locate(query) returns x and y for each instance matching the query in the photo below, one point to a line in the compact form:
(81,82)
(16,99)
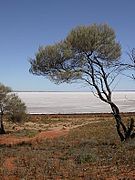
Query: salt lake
(74,102)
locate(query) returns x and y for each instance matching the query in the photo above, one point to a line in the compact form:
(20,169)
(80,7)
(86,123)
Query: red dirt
(12,140)
(10,178)
(10,166)
(9,163)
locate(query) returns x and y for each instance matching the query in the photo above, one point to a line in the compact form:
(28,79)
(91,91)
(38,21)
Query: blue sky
(27,24)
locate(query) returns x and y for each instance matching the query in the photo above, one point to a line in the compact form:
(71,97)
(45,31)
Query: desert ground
(79,146)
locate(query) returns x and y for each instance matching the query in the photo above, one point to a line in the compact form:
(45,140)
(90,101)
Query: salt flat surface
(74,102)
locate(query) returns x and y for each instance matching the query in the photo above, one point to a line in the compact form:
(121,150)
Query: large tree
(11,105)
(88,55)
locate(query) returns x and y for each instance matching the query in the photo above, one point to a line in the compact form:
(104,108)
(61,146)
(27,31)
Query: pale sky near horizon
(27,24)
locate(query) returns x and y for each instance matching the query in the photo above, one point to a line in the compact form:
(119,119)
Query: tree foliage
(88,54)
(64,61)
(11,105)
(15,108)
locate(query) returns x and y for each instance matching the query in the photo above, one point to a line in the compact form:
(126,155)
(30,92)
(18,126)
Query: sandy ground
(9,139)
(45,131)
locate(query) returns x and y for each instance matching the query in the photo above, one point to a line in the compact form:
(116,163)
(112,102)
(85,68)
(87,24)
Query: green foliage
(11,105)
(26,133)
(95,38)
(84,154)
(4,90)
(68,60)
(15,108)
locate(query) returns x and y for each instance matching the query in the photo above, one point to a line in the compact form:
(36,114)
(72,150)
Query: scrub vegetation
(11,106)
(90,151)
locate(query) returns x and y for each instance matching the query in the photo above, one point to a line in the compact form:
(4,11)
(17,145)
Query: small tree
(3,95)
(15,108)
(88,54)
(11,105)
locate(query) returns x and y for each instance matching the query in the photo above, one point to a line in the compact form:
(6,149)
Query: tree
(88,55)
(11,105)
(15,108)
(131,64)
(128,67)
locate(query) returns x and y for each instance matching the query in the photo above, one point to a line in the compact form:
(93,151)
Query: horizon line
(132,90)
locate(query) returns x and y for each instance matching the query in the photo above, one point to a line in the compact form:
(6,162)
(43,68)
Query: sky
(27,24)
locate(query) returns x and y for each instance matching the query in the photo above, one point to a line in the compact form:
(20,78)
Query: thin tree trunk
(2,131)
(123,131)
(117,117)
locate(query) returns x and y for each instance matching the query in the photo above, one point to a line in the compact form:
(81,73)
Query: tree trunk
(124,132)
(2,131)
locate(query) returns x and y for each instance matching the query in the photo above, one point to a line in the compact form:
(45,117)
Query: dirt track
(46,131)
(12,140)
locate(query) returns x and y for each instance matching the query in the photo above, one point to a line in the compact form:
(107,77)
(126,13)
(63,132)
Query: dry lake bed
(74,102)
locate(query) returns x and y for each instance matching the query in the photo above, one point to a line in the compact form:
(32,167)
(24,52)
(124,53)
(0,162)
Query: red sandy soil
(8,139)
(10,178)
(12,140)
(10,166)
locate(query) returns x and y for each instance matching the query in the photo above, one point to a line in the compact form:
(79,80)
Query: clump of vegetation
(25,133)
(16,109)
(11,106)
